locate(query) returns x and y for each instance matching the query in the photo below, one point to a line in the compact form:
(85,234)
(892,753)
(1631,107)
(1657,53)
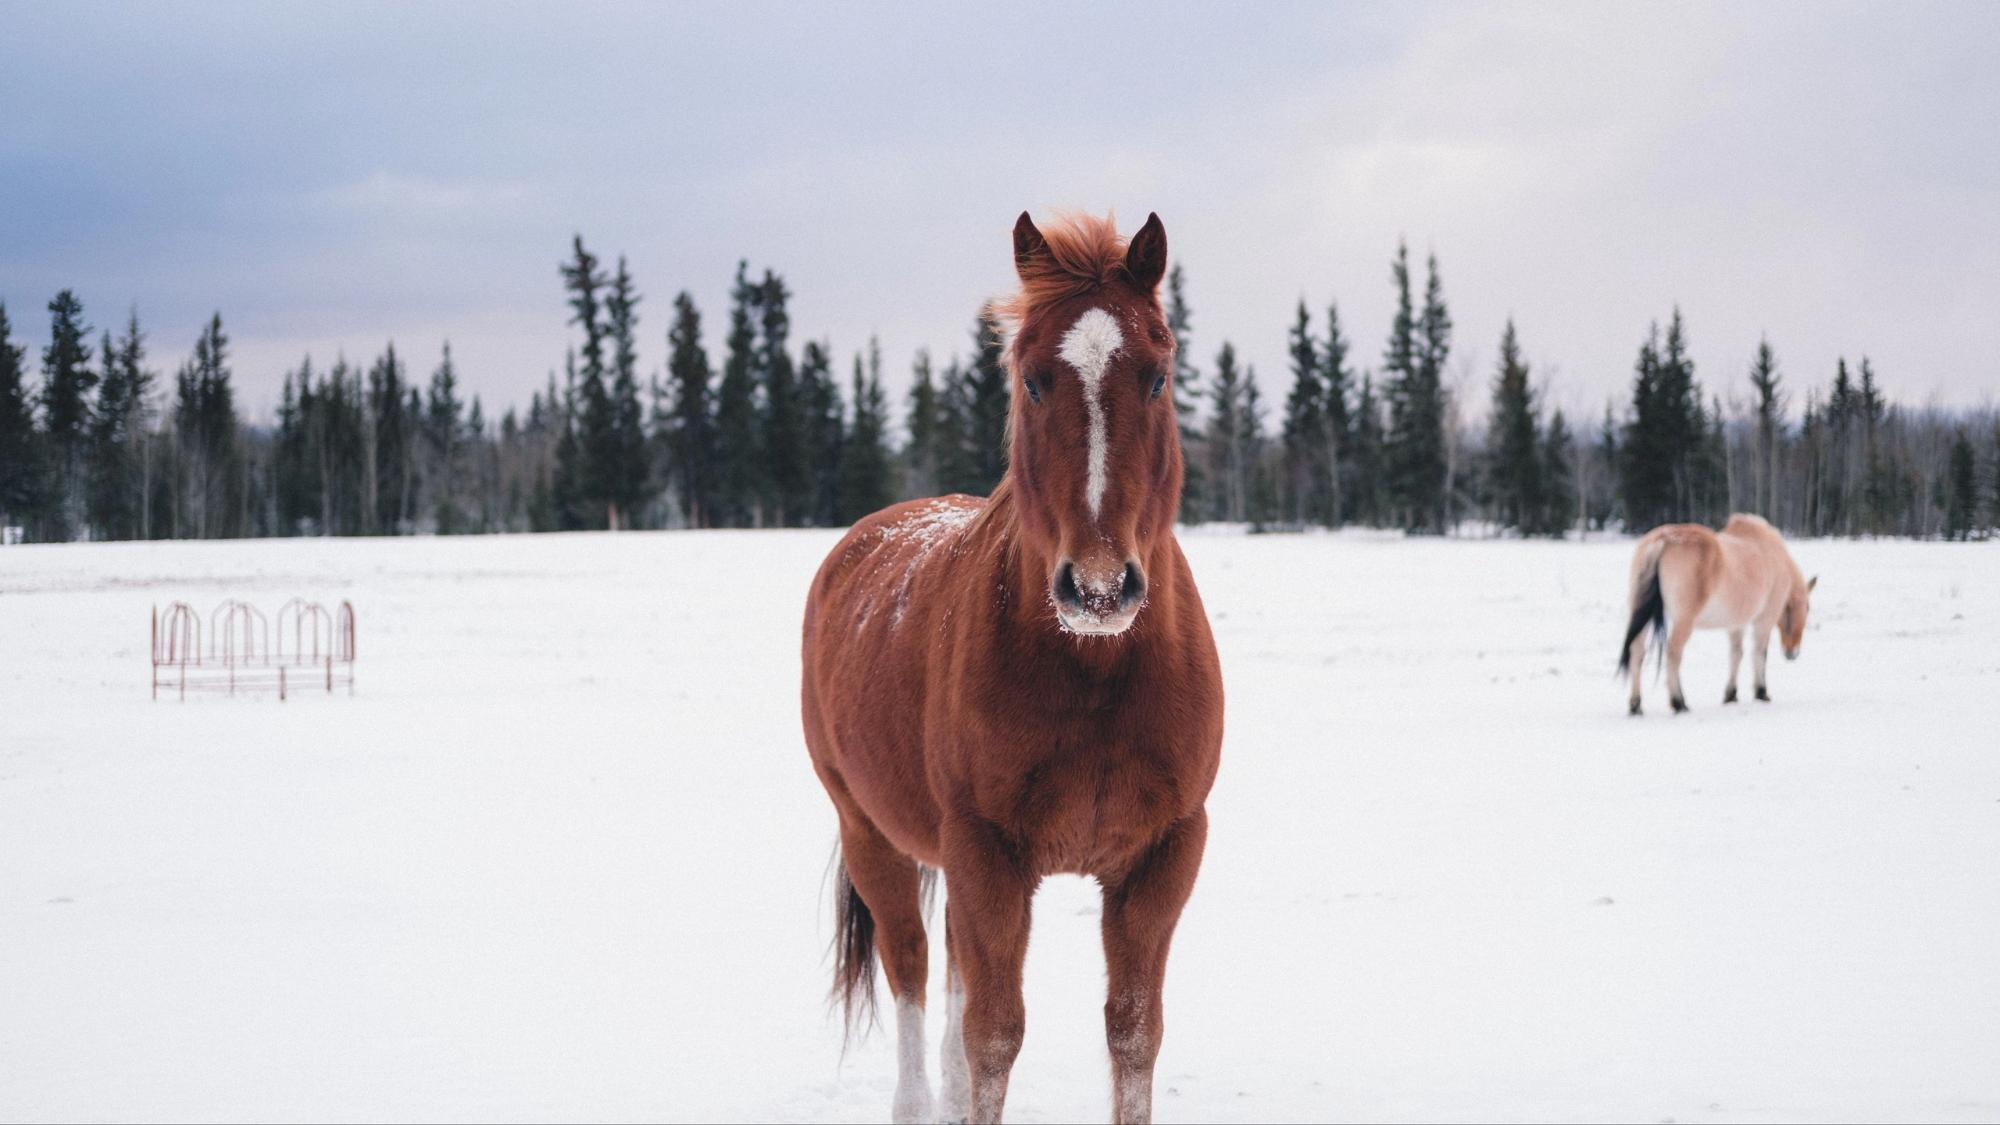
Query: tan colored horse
(1686,577)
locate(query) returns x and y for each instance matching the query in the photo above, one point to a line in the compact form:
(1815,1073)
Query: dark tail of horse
(853,953)
(854,956)
(1648,608)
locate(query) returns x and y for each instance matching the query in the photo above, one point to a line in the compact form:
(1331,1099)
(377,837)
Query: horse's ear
(1146,256)
(1029,244)
(1811,582)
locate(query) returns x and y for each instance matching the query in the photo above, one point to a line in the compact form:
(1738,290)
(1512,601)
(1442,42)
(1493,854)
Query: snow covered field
(562,855)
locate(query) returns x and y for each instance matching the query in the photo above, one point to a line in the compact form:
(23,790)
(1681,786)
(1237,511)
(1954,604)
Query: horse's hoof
(1763,696)
(1680,705)
(1729,696)
(1635,708)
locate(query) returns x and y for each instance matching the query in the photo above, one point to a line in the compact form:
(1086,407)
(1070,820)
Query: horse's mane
(1085,253)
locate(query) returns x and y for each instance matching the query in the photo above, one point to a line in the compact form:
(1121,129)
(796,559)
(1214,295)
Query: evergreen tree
(865,484)
(1558,479)
(206,432)
(389,420)
(923,455)
(21,478)
(1516,460)
(117,442)
(597,448)
(1187,394)
(824,435)
(1262,487)
(1367,461)
(1765,381)
(985,401)
(1961,506)
(788,496)
(691,426)
(444,434)
(1648,455)
(67,381)
(1414,363)
(738,463)
(1226,442)
(625,471)
(1606,504)
(1335,381)
(1304,429)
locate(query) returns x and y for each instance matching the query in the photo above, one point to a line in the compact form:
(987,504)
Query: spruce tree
(443,435)
(1335,385)
(1187,394)
(691,432)
(1414,366)
(1228,472)
(1262,488)
(824,435)
(626,470)
(388,419)
(864,464)
(922,454)
(117,481)
(738,463)
(1559,495)
(788,495)
(21,477)
(1516,460)
(1367,460)
(986,393)
(1961,506)
(67,380)
(1765,382)
(1304,429)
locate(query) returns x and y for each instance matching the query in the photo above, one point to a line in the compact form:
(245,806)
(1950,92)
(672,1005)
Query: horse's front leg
(1140,911)
(988,895)
(1763,650)
(1735,662)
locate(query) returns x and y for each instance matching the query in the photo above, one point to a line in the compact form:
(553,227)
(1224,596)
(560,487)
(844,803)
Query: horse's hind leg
(1677,640)
(955,1091)
(1735,662)
(1638,666)
(1140,912)
(890,883)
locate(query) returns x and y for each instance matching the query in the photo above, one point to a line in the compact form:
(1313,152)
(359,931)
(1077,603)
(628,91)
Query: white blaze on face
(1088,347)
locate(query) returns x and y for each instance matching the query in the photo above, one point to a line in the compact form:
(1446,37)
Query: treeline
(777,436)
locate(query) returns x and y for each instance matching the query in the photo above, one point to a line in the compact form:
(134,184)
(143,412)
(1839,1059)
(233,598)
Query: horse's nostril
(1066,591)
(1133,591)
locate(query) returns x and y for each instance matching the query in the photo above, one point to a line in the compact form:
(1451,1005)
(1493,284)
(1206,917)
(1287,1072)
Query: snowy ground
(562,855)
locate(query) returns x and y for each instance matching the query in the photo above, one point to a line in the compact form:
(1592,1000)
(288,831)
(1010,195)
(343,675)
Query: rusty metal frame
(239,655)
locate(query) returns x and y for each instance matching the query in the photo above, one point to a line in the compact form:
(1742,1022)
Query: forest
(784,434)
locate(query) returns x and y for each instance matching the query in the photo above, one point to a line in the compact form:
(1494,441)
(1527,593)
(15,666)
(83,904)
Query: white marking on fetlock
(955,1102)
(1088,347)
(913,1082)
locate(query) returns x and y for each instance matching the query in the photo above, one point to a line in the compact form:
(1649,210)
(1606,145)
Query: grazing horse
(1025,685)
(1686,577)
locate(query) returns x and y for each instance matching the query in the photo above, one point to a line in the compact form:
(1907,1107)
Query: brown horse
(1686,577)
(1009,688)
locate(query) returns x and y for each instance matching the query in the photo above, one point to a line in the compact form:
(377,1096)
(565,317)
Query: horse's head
(1095,453)
(1792,622)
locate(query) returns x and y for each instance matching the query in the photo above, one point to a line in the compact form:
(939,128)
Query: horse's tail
(853,952)
(1648,607)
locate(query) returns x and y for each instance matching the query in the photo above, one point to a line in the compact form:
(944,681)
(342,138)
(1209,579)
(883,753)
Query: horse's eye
(1159,384)
(1034,392)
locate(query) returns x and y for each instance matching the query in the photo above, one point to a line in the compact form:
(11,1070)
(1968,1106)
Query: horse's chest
(1091,809)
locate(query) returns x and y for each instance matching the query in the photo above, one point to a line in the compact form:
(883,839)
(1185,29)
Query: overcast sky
(333,177)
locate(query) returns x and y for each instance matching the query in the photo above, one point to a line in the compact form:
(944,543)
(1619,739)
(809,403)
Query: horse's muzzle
(1098,604)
